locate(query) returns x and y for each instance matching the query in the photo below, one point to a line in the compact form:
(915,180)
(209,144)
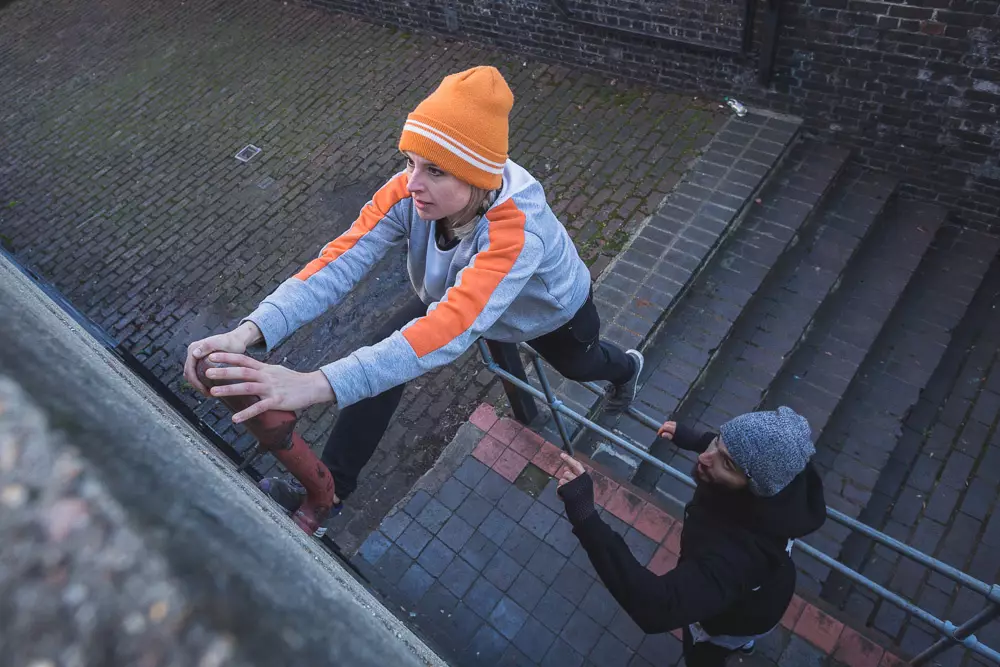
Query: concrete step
(652,274)
(704,318)
(778,319)
(870,457)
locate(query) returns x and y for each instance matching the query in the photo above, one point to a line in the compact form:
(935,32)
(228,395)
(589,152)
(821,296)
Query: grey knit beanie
(770,447)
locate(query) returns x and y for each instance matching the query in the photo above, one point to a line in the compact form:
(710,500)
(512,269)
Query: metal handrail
(951,633)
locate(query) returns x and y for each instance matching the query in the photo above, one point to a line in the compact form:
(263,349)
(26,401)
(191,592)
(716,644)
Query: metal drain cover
(248,153)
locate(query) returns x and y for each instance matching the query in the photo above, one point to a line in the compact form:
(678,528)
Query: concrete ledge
(232,564)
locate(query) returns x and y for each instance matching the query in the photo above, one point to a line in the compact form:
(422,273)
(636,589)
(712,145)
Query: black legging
(574,350)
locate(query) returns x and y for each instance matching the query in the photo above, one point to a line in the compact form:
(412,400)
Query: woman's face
(435,193)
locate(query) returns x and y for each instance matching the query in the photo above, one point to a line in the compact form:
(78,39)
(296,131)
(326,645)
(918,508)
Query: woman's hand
(279,388)
(236,341)
(667,430)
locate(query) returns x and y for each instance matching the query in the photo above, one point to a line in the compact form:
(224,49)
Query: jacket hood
(794,512)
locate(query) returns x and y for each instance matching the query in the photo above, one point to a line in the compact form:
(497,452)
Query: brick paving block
(414,584)
(673,541)
(436,557)
(497,527)
(470,472)
(610,652)
(604,488)
(538,520)
(488,450)
(553,611)
(433,515)
(582,561)
(639,661)
(487,647)
(550,497)
(792,614)
(505,430)
(393,564)
(625,629)
(662,561)
(510,464)
(527,443)
(514,657)
(452,493)
(642,547)
(508,617)
(458,577)
(855,650)
(625,505)
(482,597)
(484,417)
(546,563)
(599,604)
(561,654)
(455,533)
(653,522)
(474,509)
(515,503)
(437,604)
(417,502)
(891,660)
(520,544)
(526,590)
(492,486)
(413,539)
(581,632)
(373,547)
(572,583)
(661,649)
(547,458)
(478,550)
(534,639)
(561,537)
(819,628)
(800,653)
(502,570)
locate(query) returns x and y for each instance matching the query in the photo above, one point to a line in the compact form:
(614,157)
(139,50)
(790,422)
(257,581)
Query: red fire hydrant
(275,431)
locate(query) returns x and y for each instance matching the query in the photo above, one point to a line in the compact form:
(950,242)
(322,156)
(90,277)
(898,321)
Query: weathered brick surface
(910,86)
(118,183)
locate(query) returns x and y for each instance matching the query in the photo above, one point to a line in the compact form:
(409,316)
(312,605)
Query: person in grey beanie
(756,492)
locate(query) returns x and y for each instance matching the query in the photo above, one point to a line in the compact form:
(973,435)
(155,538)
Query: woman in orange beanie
(486,256)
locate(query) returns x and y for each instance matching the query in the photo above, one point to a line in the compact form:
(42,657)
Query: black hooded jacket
(734,575)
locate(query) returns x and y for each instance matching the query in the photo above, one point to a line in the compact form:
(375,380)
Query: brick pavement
(120,121)
(481,560)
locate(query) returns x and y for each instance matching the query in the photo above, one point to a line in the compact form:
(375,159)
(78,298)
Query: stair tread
(820,372)
(705,317)
(776,323)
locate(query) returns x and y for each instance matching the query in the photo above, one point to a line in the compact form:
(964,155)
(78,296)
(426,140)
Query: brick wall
(913,87)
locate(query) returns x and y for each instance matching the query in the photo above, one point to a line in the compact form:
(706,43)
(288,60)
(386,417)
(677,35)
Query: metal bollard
(275,431)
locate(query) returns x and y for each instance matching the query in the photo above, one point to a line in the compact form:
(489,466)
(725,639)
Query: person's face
(715,466)
(436,194)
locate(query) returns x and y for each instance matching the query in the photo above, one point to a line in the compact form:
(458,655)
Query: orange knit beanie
(462,126)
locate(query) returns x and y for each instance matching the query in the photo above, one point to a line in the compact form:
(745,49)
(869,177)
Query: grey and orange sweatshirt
(518,276)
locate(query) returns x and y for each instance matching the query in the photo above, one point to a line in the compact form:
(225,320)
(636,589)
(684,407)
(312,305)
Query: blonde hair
(464,222)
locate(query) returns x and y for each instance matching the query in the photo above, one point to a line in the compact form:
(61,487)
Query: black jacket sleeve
(695,590)
(687,438)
